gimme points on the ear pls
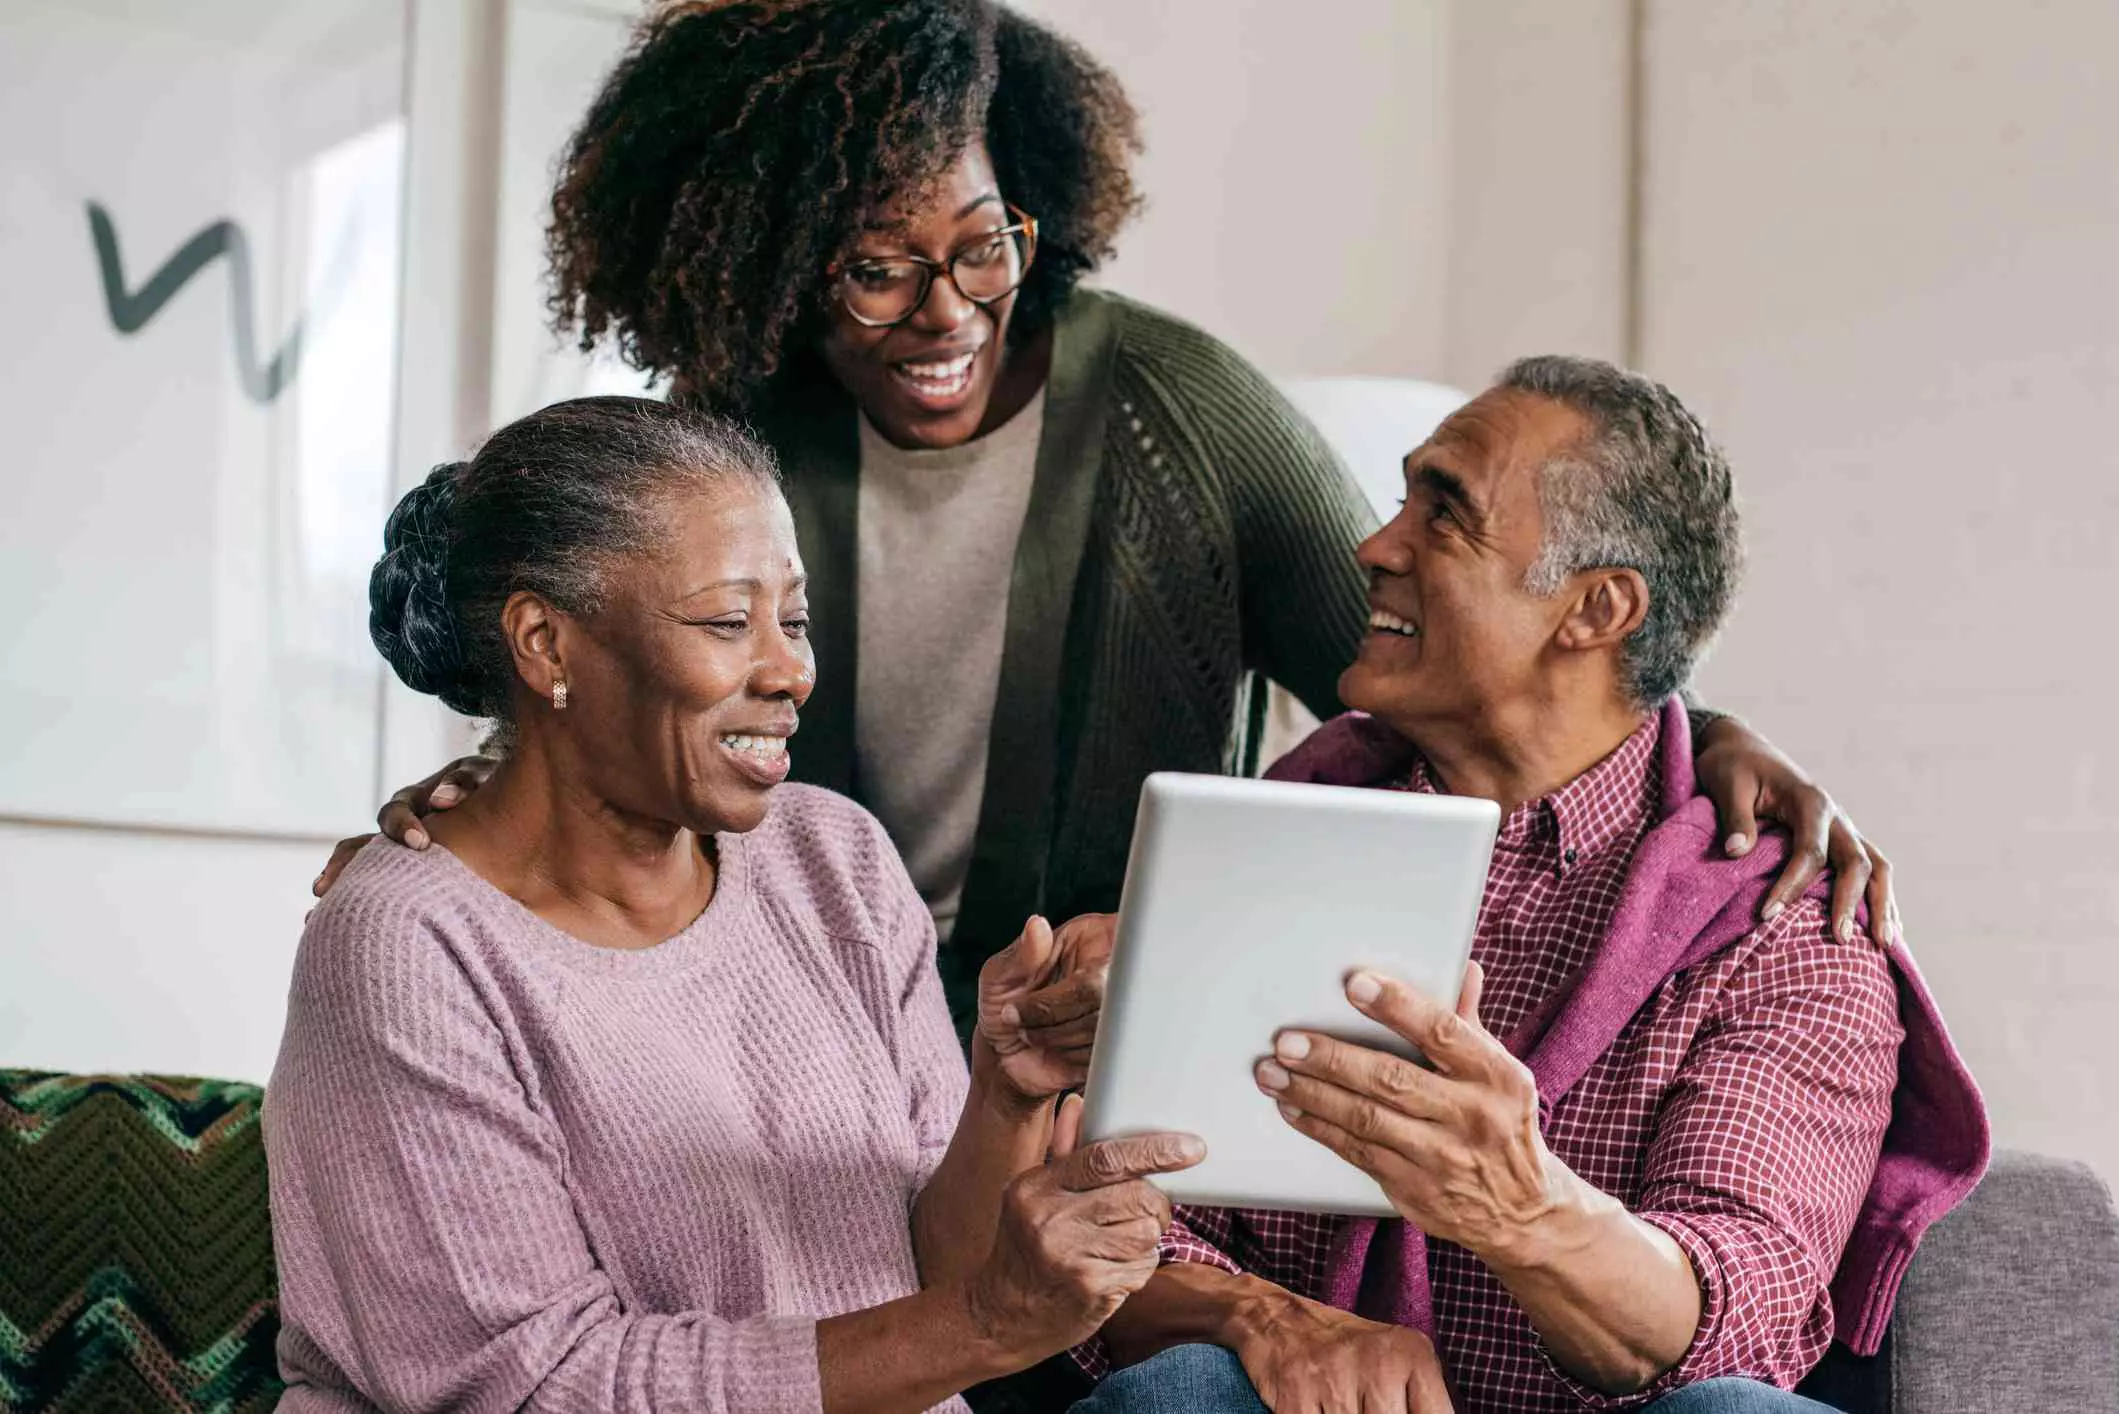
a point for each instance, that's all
(533, 630)
(1609, 605)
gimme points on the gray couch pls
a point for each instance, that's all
(2012, 1304)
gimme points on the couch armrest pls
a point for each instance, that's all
(2012, 1302)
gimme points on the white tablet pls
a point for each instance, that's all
(1246, 905)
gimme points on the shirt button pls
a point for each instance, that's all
(1570, 856)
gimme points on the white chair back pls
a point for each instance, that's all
(1372, 423)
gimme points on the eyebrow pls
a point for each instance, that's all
(1448, 485)
(800, 581)
(988, 197)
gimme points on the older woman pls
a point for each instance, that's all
(639, 1090)
(1057, 538)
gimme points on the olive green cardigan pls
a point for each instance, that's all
(1187, 528)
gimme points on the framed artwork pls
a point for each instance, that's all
(201, 215)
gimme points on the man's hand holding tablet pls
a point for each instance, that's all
(1455, 1147)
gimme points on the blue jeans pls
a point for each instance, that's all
(1185, 1379)
(1733, 1396)
(1206, 1379)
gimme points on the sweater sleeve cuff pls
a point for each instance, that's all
(769, 1367)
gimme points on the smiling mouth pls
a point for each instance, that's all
(1384, 621)
(767, 750)
(937, 380)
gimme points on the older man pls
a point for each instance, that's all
(1652, 1125)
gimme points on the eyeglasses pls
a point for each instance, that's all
(890, 290)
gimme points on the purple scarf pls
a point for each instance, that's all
(1684, 901)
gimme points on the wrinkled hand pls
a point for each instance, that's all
(1456, 1149)
(400, 816)
(1304, 1357)
(1749, 780)
(1039, 1000)
(1075, 1238)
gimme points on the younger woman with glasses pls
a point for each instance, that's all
(1053, 535)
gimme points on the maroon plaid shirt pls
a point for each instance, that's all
(1741, 1111)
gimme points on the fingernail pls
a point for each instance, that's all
(1288, 1111)
(416, 839)
(1291, 1045)
(1771, 911)
(1363, 988)
(1191, 1148)
(1272, 1076)
(1846, 931)
(316, 886)
(444, 795)
(1737, 844)
(1011, 1017)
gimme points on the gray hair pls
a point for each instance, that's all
(548, 504)
(1646, 489)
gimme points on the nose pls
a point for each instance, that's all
(945, 309)
(785, 668)
(1388, 550)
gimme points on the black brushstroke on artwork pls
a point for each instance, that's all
(130, 311)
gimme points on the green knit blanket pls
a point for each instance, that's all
(135, 1245)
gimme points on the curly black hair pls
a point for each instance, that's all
(739, 146)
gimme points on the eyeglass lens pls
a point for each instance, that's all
(884, 291)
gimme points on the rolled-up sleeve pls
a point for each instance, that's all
(1765, 1146)
(1198, 1235)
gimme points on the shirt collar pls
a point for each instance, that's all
(1605, 804)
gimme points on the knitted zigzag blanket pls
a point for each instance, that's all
(135, 1245)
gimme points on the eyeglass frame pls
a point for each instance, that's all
(1024, 222)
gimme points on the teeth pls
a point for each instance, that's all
(954, 368)
(757, 745)
(1391, 623)
(941, 380)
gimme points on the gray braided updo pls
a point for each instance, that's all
(545, 506)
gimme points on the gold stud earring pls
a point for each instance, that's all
(559, 695)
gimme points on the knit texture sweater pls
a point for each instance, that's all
(510, 1169)
(1187, 529)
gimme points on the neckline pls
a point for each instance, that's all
(1022, 429)
(689, 945)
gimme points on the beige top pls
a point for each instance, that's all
(938, 531)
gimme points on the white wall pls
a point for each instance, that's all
(1535, 210)
(127, 950)
(1879, 244)
(1292, 171)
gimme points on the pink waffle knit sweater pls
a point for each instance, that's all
(511, 1169)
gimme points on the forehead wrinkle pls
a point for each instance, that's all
(1501, 443)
